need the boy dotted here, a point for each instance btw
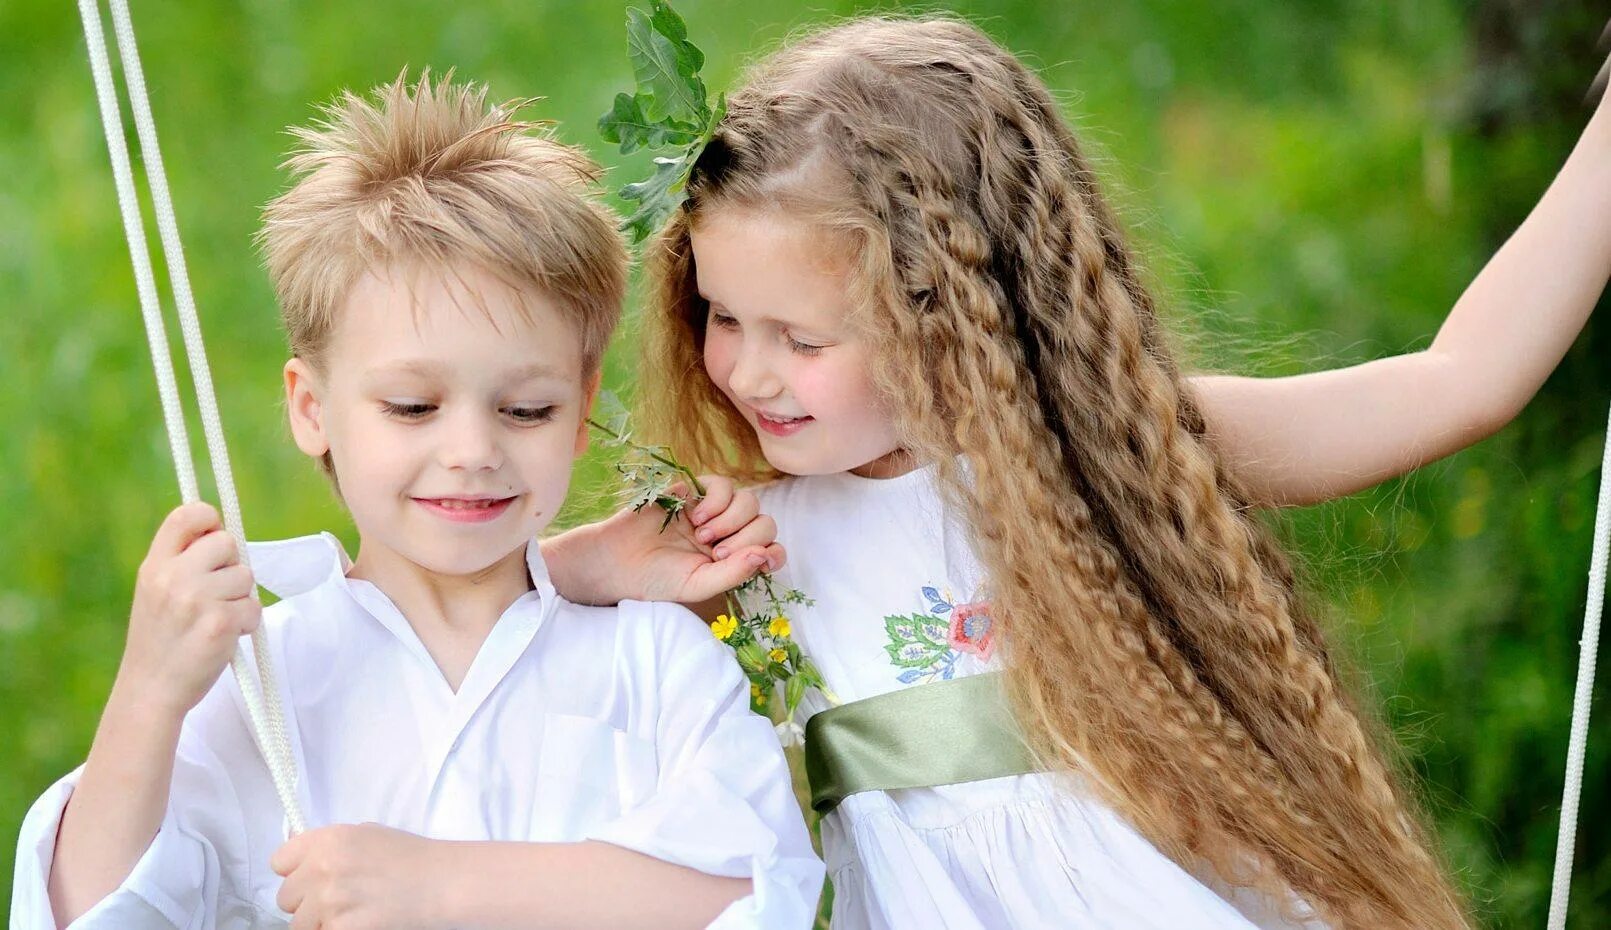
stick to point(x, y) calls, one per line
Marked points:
point(492, 754)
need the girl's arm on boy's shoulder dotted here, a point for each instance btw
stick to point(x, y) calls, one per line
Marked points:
point(719, 544)
point(1313, 437)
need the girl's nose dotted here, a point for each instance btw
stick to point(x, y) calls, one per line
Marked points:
point(752, 378)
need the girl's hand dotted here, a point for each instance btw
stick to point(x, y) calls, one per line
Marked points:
point(715, 545)
point(357, 877)
point(192, 602)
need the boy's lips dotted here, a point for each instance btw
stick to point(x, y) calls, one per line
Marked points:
point(466, 509)
point(781, 426)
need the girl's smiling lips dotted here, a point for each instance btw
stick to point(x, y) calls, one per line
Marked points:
point(780, 426)
point(466, 509)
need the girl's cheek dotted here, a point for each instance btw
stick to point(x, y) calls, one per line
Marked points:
point(831, 386)
point(718, 357)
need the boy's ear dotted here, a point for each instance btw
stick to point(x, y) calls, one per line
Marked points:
point(591, 395)
point(306, 412)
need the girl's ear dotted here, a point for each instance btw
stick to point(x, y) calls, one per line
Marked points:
point(591, 395)
point(302, 391)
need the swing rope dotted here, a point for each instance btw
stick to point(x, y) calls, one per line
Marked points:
point(261, 693)
point(1577, 744)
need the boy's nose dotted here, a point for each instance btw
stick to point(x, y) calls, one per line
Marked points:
point(470, 444)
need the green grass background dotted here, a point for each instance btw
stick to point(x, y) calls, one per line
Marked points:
point(1312, 183)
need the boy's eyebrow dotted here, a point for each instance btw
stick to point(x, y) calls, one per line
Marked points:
point(430, 369)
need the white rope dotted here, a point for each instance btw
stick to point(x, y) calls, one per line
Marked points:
point(265, 714)
point(1577, 745)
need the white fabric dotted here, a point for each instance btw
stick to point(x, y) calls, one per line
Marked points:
point(889, 570)
point(628, 725)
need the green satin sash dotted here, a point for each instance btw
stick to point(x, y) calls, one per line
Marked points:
point(942, 733)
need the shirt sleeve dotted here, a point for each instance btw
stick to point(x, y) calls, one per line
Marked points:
point(723, 802)
point(176, 882)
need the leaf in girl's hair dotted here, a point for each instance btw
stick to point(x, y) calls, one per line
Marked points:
point(668, 109)
point(629, 127)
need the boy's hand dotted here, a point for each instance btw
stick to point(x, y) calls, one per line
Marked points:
point(192, 602)
point(357, 877)
point(718, 544)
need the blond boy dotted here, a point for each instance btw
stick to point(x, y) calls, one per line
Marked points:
point(474, 750)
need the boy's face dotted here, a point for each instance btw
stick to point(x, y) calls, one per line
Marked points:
point(452, 417)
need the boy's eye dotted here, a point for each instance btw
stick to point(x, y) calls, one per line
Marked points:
point(531, 414)
point(407, 411)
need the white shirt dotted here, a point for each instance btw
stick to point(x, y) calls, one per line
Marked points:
point(900, 600)
point(629, 725)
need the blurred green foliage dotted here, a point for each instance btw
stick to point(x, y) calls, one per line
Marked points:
point(1312, 185)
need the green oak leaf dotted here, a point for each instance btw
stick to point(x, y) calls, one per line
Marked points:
point(666, 65)
point(628, 126)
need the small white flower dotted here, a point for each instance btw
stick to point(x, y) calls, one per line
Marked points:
point(790, 734)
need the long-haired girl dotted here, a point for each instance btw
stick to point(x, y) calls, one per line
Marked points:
point(895, 287)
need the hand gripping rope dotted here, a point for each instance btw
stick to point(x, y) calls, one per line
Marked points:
point(260, 692)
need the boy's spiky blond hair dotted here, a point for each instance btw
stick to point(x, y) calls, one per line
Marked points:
point(429, 173)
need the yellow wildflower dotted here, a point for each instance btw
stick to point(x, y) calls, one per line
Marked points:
point(780, 627)
point(777, 655)
point(724, 627)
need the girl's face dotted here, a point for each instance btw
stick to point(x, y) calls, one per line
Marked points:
point(779, 345)
point(453, 430)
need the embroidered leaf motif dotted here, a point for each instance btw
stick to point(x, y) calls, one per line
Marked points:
point(912, 643)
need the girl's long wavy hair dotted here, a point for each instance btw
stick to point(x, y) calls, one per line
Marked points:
point(1155, 641)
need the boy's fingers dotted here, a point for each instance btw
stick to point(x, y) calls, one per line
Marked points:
point(211, 552)
point(288, 856)
point(718, 494)
point(183, 525)
point(231, 583)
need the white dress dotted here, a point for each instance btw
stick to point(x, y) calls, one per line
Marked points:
point(629, 725)
point(899, 603)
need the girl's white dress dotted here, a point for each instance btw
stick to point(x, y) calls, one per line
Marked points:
point(899, 602)
point(629, 725)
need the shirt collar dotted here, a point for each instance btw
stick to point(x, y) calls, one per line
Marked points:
point(288, 567)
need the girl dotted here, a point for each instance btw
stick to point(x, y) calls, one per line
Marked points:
point(912, 305)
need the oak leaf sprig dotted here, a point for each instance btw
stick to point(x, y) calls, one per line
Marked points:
point(669, 109)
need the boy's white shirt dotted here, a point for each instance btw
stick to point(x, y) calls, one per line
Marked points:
point(629, 725)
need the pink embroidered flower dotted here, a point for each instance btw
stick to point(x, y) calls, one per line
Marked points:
point(971, 630)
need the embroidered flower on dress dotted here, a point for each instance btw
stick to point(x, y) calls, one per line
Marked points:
point(972, 630)
point(927, 646)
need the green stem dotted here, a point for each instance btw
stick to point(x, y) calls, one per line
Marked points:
point(699, 489)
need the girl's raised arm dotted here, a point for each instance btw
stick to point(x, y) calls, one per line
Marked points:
point(1313, 437)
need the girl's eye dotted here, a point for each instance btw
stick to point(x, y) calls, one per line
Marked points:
point(804, 348)
point(406, 411)
point(531, 414)
point(722, 321)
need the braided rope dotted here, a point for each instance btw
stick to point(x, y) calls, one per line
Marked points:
point(266, 716)
point(1577, 745)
